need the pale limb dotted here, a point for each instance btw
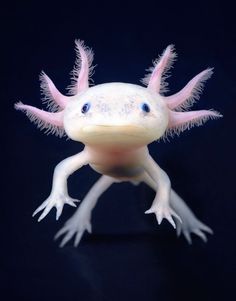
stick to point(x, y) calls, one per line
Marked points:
point(81, 220)
point(160, 205)
point(190, 223)
point(59, 193)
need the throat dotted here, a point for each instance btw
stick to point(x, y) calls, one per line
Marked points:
point(116, 157)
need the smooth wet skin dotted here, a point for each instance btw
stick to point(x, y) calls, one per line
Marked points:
point(116, 122)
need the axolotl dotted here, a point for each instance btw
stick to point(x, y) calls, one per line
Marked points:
point(116, 121)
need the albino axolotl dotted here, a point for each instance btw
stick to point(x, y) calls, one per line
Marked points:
point(116, 121)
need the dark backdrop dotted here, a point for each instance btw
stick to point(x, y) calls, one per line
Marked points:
point(128, 257)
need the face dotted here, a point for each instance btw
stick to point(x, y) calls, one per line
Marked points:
point(116, 115)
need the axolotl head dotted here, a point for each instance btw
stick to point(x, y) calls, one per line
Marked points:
point(116, 114)
point(119, 114)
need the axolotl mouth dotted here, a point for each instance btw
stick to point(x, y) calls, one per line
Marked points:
point(116, 130)
point(120, 136)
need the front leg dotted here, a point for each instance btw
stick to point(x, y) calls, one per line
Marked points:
point(160, 205)
point(59, 193)
point(190, 223)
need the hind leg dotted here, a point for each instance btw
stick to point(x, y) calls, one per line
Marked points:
point(80, 221)
point(190, 223)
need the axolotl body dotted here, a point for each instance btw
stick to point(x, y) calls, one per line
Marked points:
point(116, 121)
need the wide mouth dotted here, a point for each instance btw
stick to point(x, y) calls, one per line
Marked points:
point(127, 130)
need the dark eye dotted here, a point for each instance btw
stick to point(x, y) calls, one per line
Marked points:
point(85, 108)
point(145, 107)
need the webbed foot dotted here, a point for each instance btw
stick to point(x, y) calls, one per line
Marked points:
point(164, 211)
point(192, 226)
point(76, 225)
point(55, 200)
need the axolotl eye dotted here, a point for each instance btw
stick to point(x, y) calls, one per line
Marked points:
point(85, 107)
point(145, 107)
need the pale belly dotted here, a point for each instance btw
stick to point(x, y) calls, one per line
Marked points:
point(119, 164)
point(119, 171)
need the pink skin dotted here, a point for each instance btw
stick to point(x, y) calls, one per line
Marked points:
point(52, 122)
point(178, 121)
point(50, 91)
point(160, 67)
point(183, 120)
point(185, 97)
point(82, 68)
point(47, 117)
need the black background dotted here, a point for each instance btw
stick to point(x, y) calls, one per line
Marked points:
point(128, 257)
